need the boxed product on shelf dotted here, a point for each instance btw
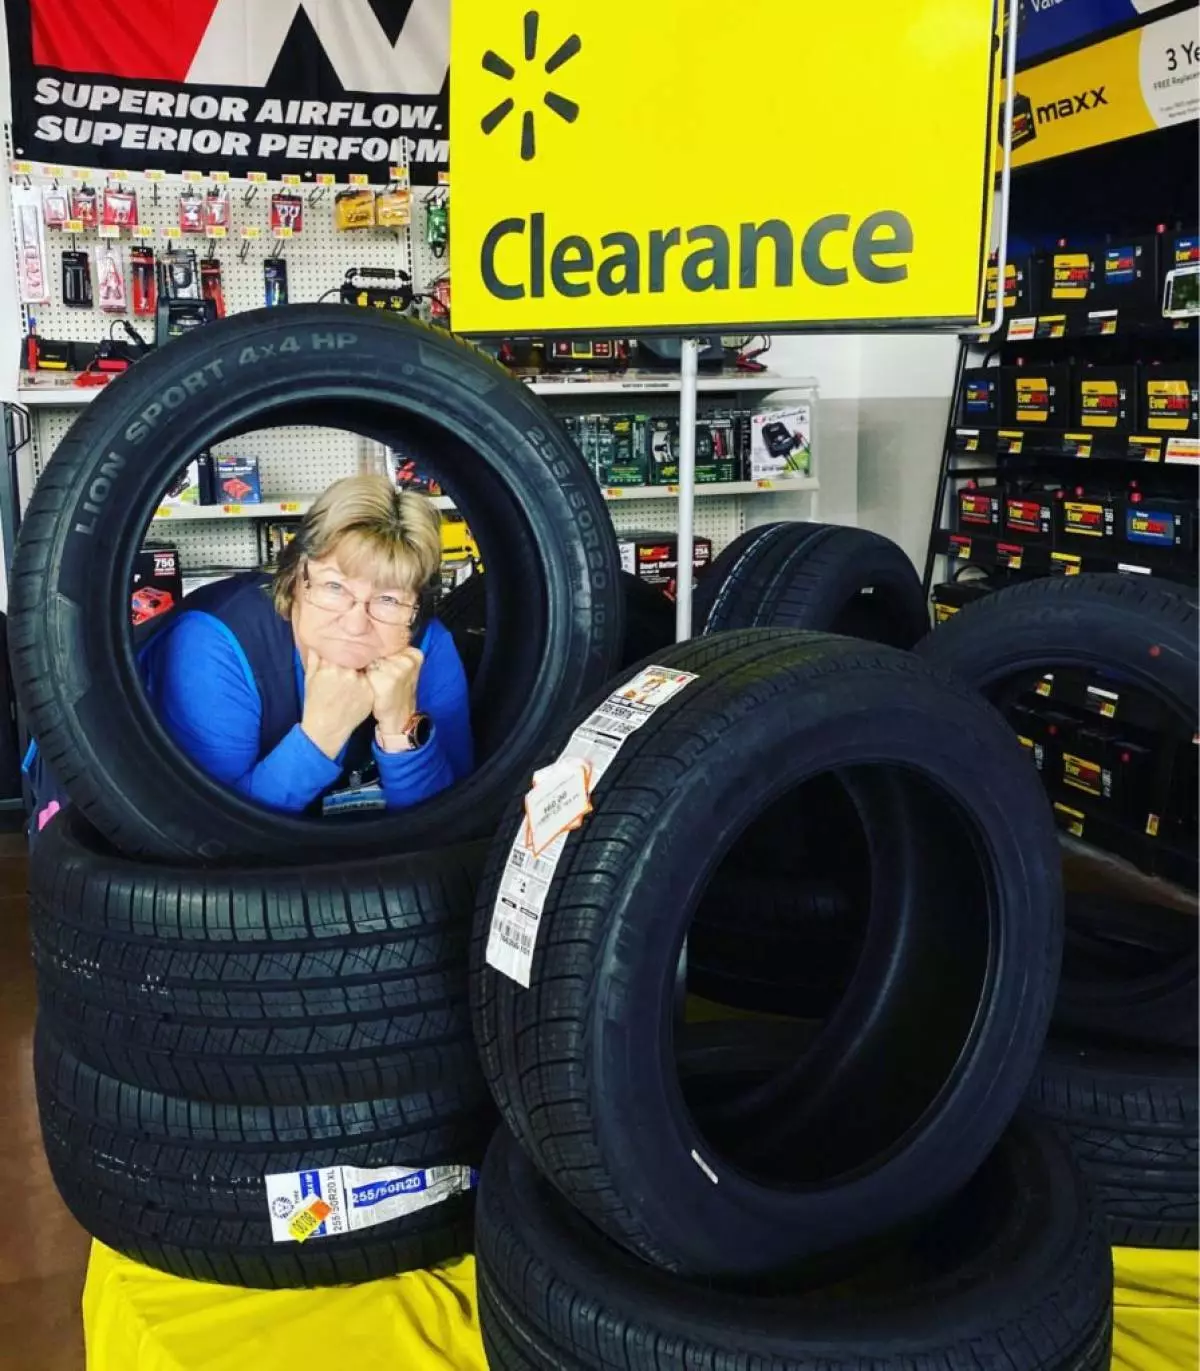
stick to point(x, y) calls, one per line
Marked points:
point(279, 533)
point(1037, 734)
point(661, 438)
point(1127, 274)
point(1029, 511)
point(1105, 397)
point(408, 473)
point(1088, 514)
point(192, 486)
point(453, 572)
point(780, 443)
point(950, 596)
point(978, 507)
point(979, 398)
point(1109, 767)
point(1155, 521)
point(237, 480)
point(157, 582)
point(619, 448)
point(1036, 395)
point(1169, 398)
point(1065, 279)
point(654, 557)
point(457, 539)
point(717, 439)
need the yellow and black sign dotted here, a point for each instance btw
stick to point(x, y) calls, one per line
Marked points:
point(604, 181)
point(1146, 79)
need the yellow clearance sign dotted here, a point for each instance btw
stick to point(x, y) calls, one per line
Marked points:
point(670, 164)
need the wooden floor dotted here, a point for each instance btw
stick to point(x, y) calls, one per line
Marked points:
point(43, 1251)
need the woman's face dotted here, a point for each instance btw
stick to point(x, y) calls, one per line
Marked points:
point(329, 616)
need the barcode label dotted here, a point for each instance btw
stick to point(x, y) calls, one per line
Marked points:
point(525, 881)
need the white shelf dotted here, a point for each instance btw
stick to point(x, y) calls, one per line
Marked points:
point(291, 507)
point(632, 383)
point(50, 394)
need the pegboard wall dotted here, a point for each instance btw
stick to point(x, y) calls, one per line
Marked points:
point(300, 462)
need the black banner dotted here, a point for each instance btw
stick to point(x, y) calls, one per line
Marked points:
point(298, 86)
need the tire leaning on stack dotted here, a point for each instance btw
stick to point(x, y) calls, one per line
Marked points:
point(276, 1013)
point(1119, 1076)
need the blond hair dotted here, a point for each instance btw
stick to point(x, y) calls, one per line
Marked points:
point(389, 537)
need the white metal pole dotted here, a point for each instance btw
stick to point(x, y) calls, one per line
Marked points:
point(688, 371)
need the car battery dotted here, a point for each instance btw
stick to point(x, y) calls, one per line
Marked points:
point(653, 557)
point(1065, 279)
point(1127, 274)
point(1035, 396)
point(1154, 521)
point(1105, 398)
point(1016, 287)
point(978, 507)
point(1109, 768)
point(1170, 400)
point(157, 583)
point(1083, 514)
point(979, 398)
point(1037, 734)
point(1028, 512)
point(951, 596)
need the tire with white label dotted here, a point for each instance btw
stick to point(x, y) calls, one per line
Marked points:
point(1132, 1119)
point(302, 985)
point(554, 607)
point(1012, 1274)
point(182, 1186)
point(926, 1056)
point(816, 576)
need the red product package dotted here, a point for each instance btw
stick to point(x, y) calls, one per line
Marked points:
point(216, 209)
point(145, 283)
point(120, 208)
point(84, 206)
point(54, 207)
point(287, 212)
point(191, 212)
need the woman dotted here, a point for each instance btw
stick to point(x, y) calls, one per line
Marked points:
point(323, 688)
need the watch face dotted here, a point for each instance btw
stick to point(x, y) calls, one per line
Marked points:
point(420, 730)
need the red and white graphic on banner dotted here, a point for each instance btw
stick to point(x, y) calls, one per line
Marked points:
point(336, 86)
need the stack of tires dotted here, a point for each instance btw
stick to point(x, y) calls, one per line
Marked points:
point(254, 1055)
point(1119, 1076)
point(855, 1184)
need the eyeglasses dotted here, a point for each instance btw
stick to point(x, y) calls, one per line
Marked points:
point(334, 597)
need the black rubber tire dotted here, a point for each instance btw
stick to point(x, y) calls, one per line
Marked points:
point(1129, 973)
point(531, 502)
point(1013, 1275)
point(649, 620)
point(822, 577)
point(1132, 1120)
point(1128, 626)
point(774, 946)
point(180, 1186)
point(314, 985)
point(581, 1063)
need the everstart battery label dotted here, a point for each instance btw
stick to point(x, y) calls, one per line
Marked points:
point(1100, 404)
point(979, 399)
point(1027, 516)
point(1121, 266)
point(1072, 276)
point(1033, 400)
point(1147, 525)
point(1186, 250)
point(978, 507)
point(1011, 282)
point(1087, 776)
point(1168, 405)
point(1084, 517)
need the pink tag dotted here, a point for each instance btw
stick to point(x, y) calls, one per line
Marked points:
point(47, 814)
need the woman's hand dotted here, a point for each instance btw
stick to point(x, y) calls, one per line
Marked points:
point(393, 681)
point(336, 701)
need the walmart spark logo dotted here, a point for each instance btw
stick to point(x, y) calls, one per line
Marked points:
point(566, 109)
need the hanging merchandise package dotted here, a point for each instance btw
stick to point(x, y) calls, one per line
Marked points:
point(33, 276)
point(216, 209)
point(120, 209)
point(393, 208)
point(111, 276)
point(437, 226)
point(211, 286)
point(181, 280)
point(354, 209)
point(55, 207)
point(275, 282)
point(77, 280)
point(287, 214)
point(191, 212)
point(145, 287)
point(85, 206)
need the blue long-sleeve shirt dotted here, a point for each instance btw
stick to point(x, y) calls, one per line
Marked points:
point(201, 685)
